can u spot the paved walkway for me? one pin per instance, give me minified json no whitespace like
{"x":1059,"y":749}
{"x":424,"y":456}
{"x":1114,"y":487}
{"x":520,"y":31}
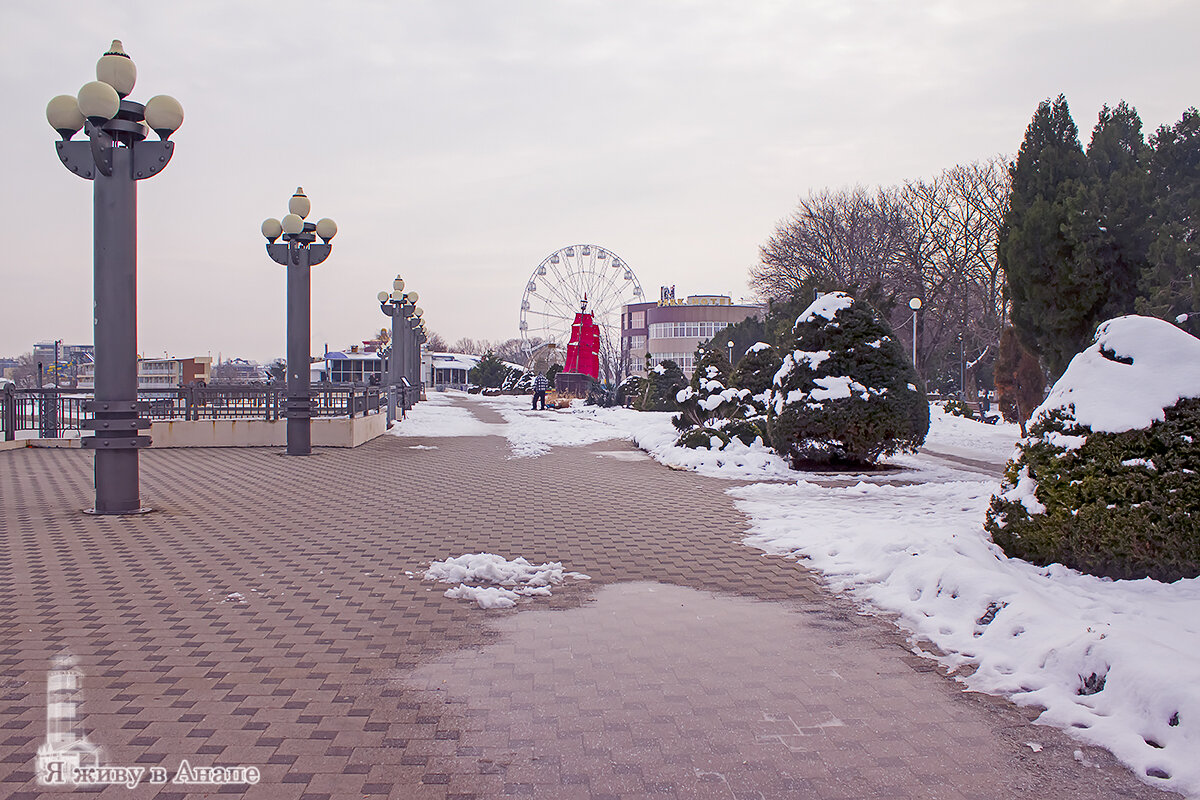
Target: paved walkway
{"x":690,"y":665}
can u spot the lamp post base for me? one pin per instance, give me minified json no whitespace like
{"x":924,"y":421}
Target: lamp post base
{"x":137,"y":512}
{"x":299,"y":437}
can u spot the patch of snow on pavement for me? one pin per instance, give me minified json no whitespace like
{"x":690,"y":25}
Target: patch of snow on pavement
{"x":442,"y":419}
{"x":532,"y":433}
{"x":1112,"y":662}
{"x":510,"y":580}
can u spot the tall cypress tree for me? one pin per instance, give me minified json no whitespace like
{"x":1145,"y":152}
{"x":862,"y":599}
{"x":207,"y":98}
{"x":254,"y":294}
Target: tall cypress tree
{"x":1035,"y":246}
{"x":1170,"y":284}
{"x":1110,"y":219}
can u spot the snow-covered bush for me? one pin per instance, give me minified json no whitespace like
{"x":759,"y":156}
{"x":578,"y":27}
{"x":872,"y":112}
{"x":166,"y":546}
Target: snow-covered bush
{"x":516,"y":380}
{"x":708,"y":402}
{"x":706,"y":437}
{"x":1108,"y":480}
{"x":708,"y":396}
{"x":754,"y":373}
{"x":663,"y":382}
{"x":630,"y":390}
{"x":599,"y":394}
{"x":846,"y":392}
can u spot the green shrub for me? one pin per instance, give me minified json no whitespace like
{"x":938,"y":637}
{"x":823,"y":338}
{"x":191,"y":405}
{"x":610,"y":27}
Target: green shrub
{"x":1119,"y":505}
{"x":708,"y":397}
{"x":846,"y":392}
{"x":703,"y":437}
{"x":958,"y":408}
{"x":747,"y":431}
{"x":1107,"y":480}
{"x":663,"y":382}
{"x":599,"y":394}
{"x":755,"y":372}
{"x":631,"y":390}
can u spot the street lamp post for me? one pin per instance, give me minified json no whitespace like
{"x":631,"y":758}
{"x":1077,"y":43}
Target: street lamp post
{"x":299,"y":253}
{"x":731,"y":352}
{"x":416,"y":340}
{"x":399,"y":305}
{"x":962,"y":369}
{"x":115,"y":157}
{"x":915,"y":305}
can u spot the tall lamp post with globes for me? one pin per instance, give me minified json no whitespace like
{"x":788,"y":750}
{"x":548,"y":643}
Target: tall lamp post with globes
{"x":114,"y":157}
{"x":299,"y":253}
{"x":399,"y":305}
{"x":418,"y":338}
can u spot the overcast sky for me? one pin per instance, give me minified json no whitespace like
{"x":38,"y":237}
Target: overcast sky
{"x":459,"y":143}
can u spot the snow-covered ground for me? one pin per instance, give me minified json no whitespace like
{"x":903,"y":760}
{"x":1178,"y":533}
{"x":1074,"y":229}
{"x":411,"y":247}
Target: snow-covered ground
{"x":1115,"y":663}
{"x":529,"y":433}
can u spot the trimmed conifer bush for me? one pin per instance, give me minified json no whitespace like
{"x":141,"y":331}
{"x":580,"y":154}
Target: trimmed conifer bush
{"x":663,"y":382}
{"x":1108,"y":480}
{"x":710,"y":438}
{"x":708,"y":396}
{"x":630,"y":390}
{"x":755,"y":373}
{"x":846,"y":392}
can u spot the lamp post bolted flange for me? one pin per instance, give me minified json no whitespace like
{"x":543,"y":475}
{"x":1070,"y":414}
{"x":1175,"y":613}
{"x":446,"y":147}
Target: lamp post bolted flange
{"x":115,"y":156}
{"x":299,"y":253}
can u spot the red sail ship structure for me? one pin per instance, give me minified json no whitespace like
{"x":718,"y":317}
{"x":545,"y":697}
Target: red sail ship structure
{"x":583,"y":351}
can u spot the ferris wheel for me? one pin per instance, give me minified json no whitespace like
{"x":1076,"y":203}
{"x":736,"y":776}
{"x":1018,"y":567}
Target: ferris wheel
{"x":562,"y":283}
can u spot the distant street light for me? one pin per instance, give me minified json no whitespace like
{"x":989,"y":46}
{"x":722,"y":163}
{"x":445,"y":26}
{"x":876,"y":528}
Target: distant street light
{"x":915,"y":305}
{"x":299,"y":254}
{"x":731,"y":351}
{"x":115,"y":157}
{"x":962,"y":369}
{"x":417,"y":339}
{"x":398,"y":305}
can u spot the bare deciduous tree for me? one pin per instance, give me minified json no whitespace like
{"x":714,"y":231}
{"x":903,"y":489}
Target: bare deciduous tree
{"x":932,"y":239}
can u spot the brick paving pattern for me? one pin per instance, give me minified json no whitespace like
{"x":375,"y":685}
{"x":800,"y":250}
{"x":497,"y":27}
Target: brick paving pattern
{"x":262,"y":616}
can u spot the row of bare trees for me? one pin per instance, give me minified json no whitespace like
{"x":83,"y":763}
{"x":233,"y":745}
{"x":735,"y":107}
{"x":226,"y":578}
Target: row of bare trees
{"x":931,"y":239}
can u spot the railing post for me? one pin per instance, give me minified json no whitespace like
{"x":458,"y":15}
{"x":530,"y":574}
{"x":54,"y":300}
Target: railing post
{"x":48,"y":413}
{"x":10,"y":414}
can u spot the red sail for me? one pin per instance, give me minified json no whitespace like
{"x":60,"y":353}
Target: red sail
{"x":583,"y":351}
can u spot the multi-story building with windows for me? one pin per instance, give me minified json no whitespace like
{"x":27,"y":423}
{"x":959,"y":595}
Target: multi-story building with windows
{"x":158,"y":374}
{"x":670,"y":329}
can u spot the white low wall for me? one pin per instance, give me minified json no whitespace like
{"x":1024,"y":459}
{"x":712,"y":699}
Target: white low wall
{"x":326,"y":432}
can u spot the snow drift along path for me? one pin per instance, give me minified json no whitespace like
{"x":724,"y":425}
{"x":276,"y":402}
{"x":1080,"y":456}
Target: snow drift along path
{"x":1116,"y":663}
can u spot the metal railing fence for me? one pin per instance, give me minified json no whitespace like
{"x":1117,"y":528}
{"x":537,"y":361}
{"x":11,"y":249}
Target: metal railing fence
{"x":50,"y":412}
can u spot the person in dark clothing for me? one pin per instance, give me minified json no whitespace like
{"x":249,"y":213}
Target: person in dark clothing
{"x":540,"y":385}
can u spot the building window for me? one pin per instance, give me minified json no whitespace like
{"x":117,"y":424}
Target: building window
{"x":686,"y":330}
{"x":639,"y":319}
{"x":686,"y":361}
